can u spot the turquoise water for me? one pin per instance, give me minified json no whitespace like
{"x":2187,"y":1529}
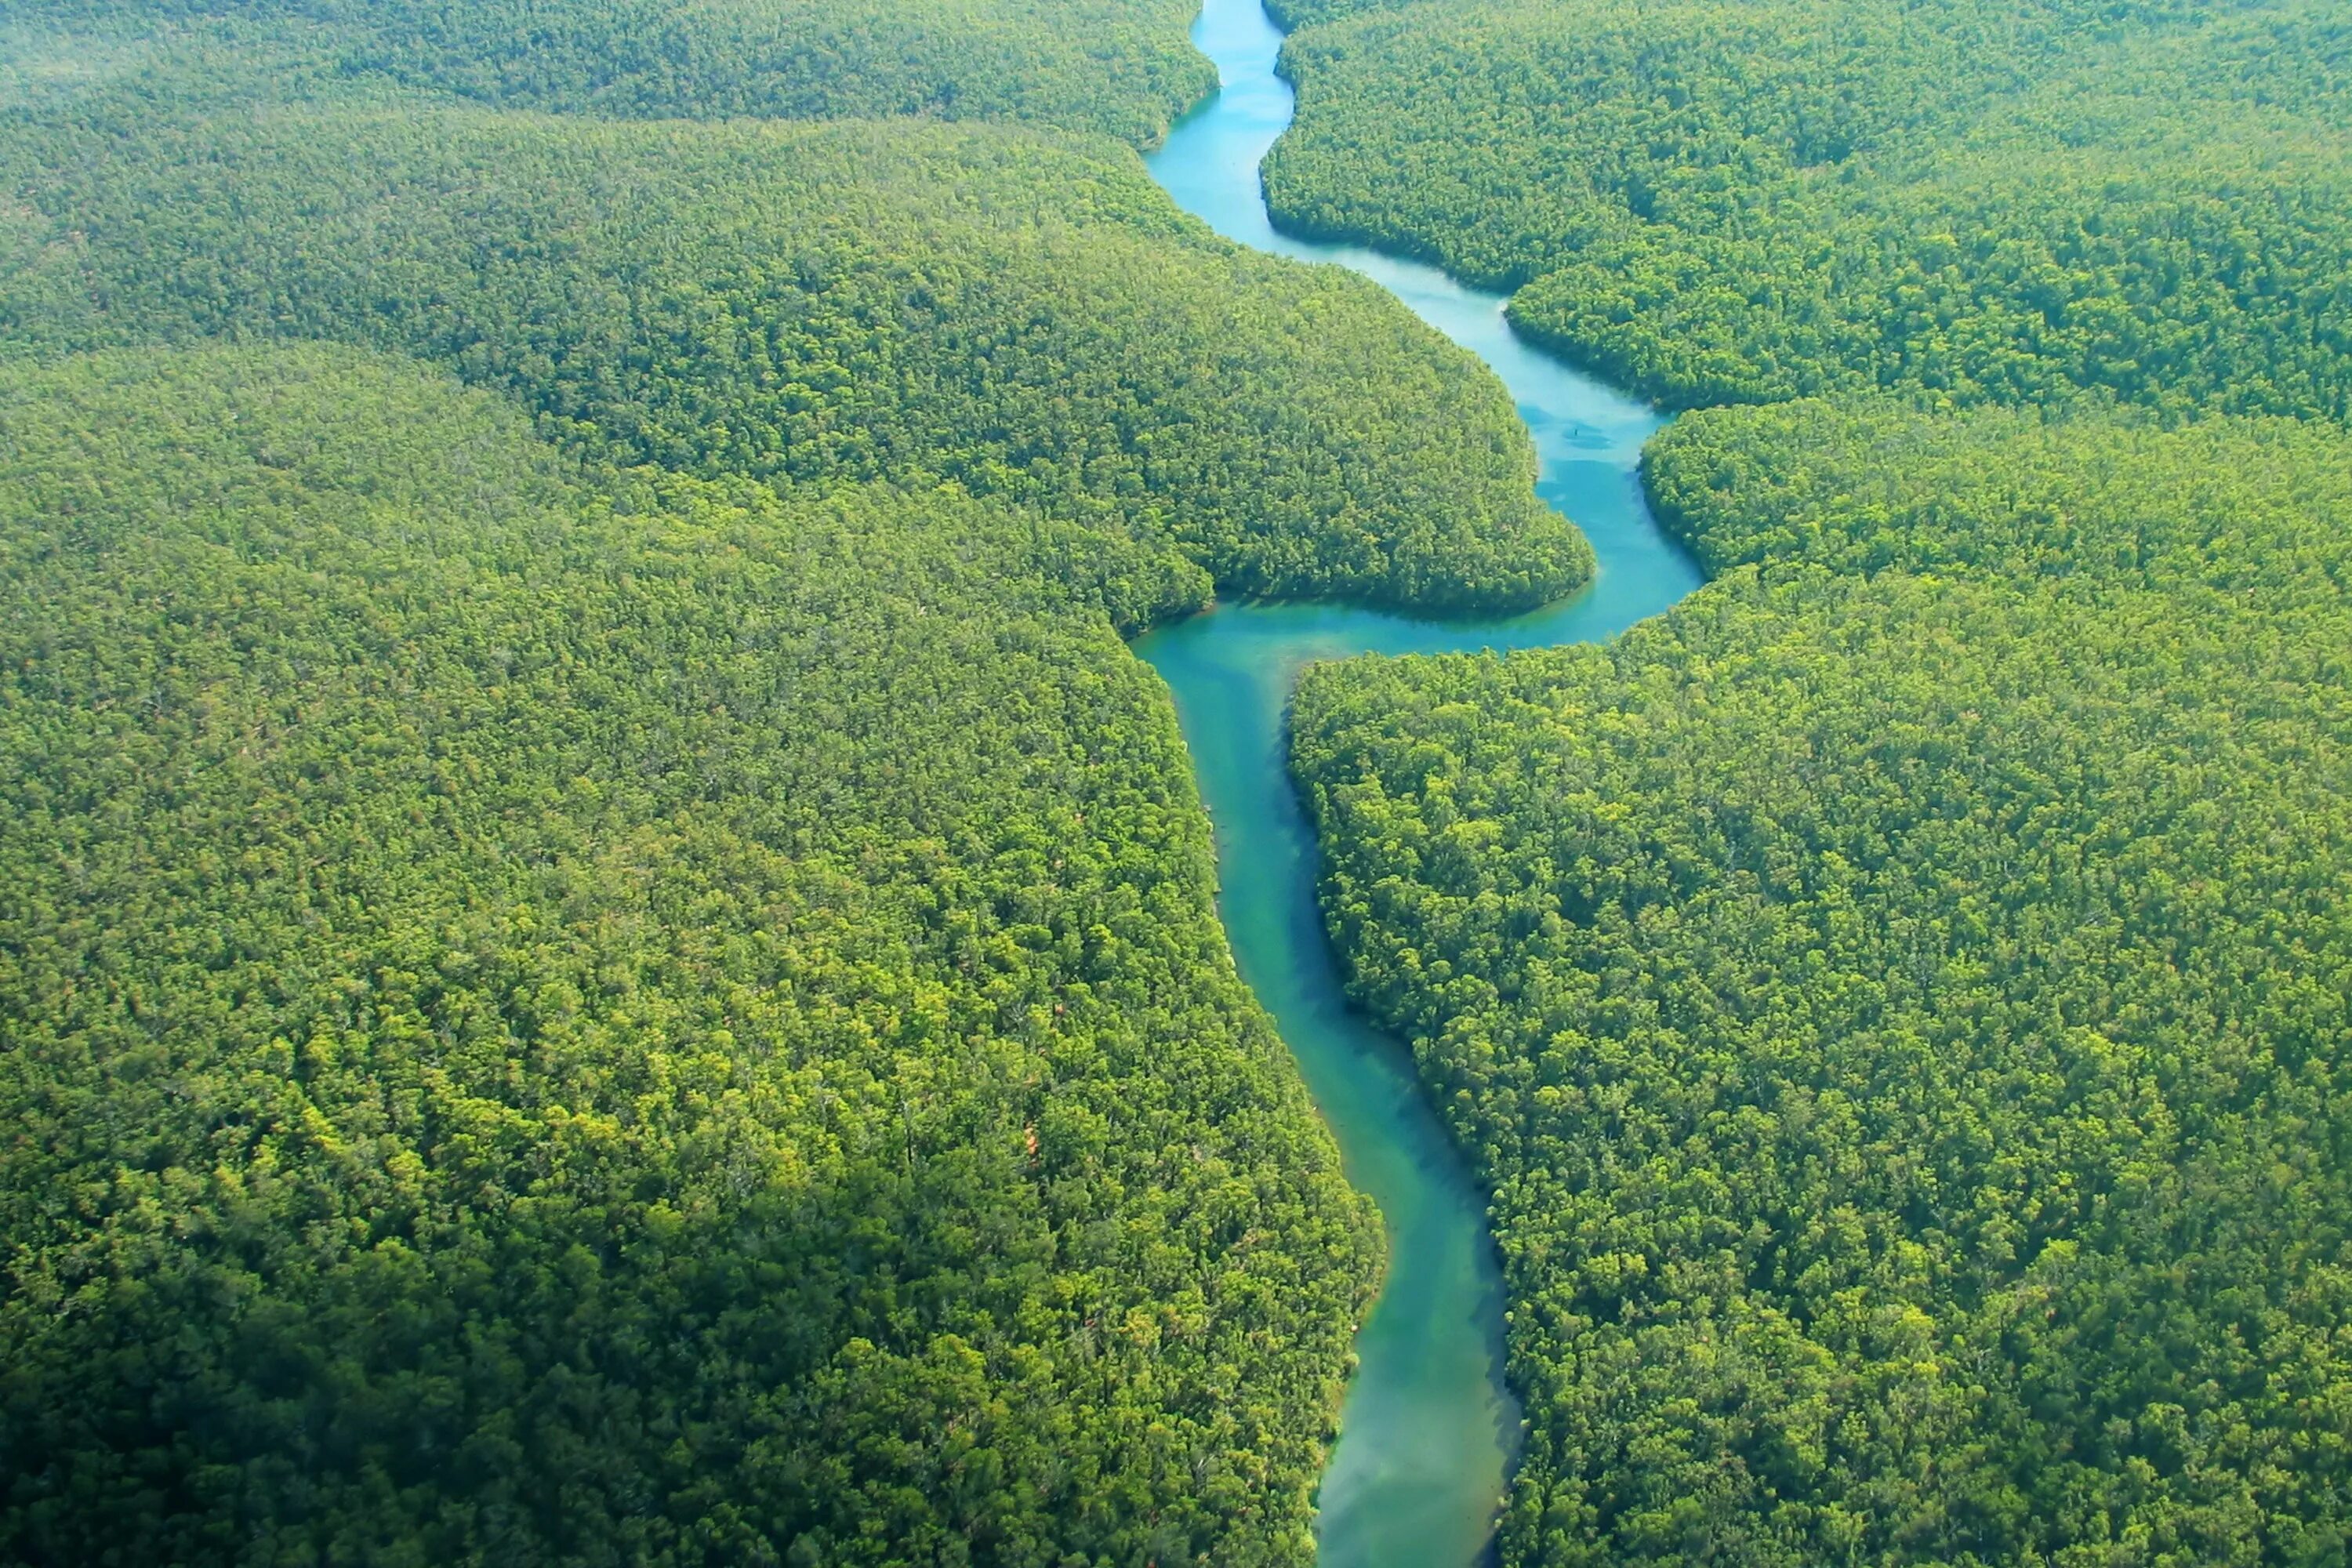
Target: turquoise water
{"x":1428,"y":1430}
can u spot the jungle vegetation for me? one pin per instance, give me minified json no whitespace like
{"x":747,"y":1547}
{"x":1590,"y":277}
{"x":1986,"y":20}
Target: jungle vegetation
{"x":604,"y":957}
{"x":1901,"y":1021}
{"x":1123,"y":71}
{"x":1971,"y":202}
{"x":1899,"y":999}
{"x":531,"y":1040}
{"x":1024,"y":313}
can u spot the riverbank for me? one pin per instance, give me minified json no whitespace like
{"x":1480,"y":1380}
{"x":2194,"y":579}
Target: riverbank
{"x":1430,"y":1426}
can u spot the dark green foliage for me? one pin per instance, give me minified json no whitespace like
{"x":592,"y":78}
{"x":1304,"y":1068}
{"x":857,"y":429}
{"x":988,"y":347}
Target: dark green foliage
{"x":1024,"y":314}
{"x":562,"y":1017}
{"x":1902,"y":1017}
{"x":1967,"y":202}
{"x":1122,"y":70}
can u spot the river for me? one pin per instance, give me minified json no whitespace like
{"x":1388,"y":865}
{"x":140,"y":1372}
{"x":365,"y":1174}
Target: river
{"x":1429,"y":1426}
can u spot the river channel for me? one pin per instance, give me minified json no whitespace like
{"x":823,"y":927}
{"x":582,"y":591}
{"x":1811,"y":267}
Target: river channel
{"x":1429,"y":1426}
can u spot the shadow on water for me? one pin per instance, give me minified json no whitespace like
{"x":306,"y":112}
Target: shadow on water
{"x":1429,"y":1427}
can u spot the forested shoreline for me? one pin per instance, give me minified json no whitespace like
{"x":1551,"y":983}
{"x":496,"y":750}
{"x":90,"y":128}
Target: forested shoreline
{"x":1960,"y":204}
{"x":604,"y":955}
{"x":1022,"y":314}
{"x":1898,"y":998}
{"x":607,"y":958}
{"x":1900,"y":1013}
{"x":530,"y":1042}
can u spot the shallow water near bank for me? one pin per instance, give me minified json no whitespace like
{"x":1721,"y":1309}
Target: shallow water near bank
{"x":1429,"y":1427}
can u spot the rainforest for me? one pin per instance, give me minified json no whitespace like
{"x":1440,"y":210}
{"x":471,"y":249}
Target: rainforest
{"x":786,"y":787}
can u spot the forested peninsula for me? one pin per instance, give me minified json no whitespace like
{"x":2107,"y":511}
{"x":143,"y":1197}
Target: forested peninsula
{"x":1901,"y":1011}
{"x":1899,"y":999}
{"x":530,"y":1040}
{"x":1985,"y":201}
{"x":605,"y":956}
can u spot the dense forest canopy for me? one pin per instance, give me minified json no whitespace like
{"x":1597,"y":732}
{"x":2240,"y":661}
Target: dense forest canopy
{"x":2254,"y":509}
{"x":1122,"y":70}
{"x":1899,"y":999}
{"x":531,"y":1041}
{"x":1901,"y":1022}
{"x":1964,"y":202}
{"x":604,"y":955}
{"x":1020,"y":312}
{"x":603,"y":958}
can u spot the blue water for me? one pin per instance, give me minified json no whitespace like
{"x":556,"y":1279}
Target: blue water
{"x":1429,"y":1427}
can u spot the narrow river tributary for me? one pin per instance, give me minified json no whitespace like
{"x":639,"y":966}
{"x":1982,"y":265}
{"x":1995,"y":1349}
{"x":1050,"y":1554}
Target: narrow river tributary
{"x":1428,"y":1428}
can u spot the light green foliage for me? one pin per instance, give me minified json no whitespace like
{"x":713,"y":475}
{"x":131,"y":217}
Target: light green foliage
{"x":1902,"y":1014}
{"x":1024,"y":314}
{"x":1966,"y":202}
{"x":2256,"y":510}
{"x":1899,"y":999}
{"x":1116,"y":67}
{"x":604,"y":958}
{"x":562,"y":1017}
{"x":41,"y":65}
{"x":1120,"y":68}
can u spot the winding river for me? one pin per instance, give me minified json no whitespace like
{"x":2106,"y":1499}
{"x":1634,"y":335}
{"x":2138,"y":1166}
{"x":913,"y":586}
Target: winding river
{"x":1428,"y":1429}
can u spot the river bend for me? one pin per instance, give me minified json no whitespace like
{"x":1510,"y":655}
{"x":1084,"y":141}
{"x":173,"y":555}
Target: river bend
{"x":1429,"y":1427}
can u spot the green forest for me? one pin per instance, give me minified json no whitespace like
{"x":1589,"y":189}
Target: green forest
{"x":1962,"y":203}
{"x":530,"y":1043}
{"x":1120,"y":70}
{"x":1021,"y":313}
{"x":607,"y":958}
{"x":1897,"y":999}
{"x":604,"y":955}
